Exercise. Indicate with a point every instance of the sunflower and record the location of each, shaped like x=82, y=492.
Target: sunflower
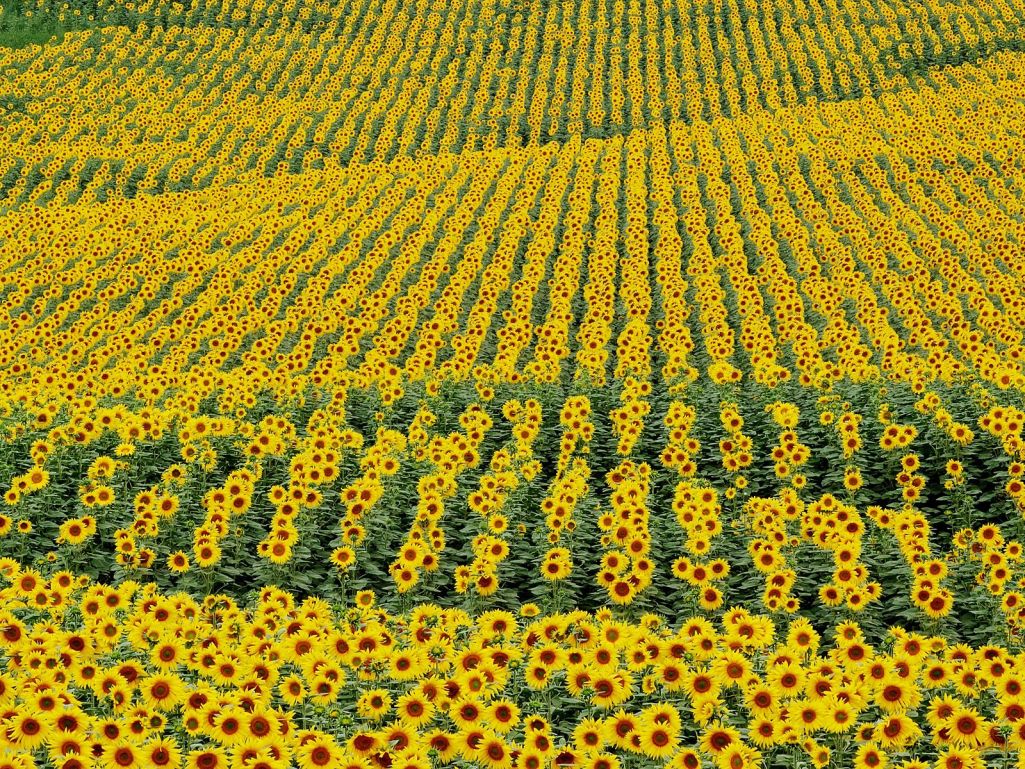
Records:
x=938, y=605
x=493, y=753
x=870, y=756
x=319, y=752
x=763, y=732
x=343, y=557
x=502, y=715
x=398, y=736
x=611, y=689
x=936, y=674
x=207, y=554
x=259, y=725
x=66, y=745
x=292, y=689
x=967, y=728
x=719, y=738
x=532, y=759
x=805, y=716
x=162, y=754
x=839, y=714
x=588, y=735
x=162, y=691
x=364, y=743
x=731, y=669
x=687, y=758
x=802, y=637
x=940, y=711
x=787, y=680
x=442, y=743
x=28, y=731
x=1011, y=710
x=414, y=709
x=738, y=756
x=896, y=695
x=897, y=731
x=956, y=758
x=657, y=740
x=228, y=726
x=374, y=705
x=167, y=654
x=761, y=700
x=672, y=675
x=700, y=684
x=710, y=598
x=820, y=755
x=73, y=531
x=123, y=755
x=178, y=562
x=601, y=760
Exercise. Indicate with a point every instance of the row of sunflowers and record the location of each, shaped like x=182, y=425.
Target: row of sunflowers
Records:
x=485, y=378
x=183, y=96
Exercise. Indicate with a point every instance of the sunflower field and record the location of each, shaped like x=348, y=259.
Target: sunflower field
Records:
x=512, y=384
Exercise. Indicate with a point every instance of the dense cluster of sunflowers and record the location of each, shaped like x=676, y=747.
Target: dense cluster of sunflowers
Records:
x=208, y=92
x=517, y=385
x=130, y=677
